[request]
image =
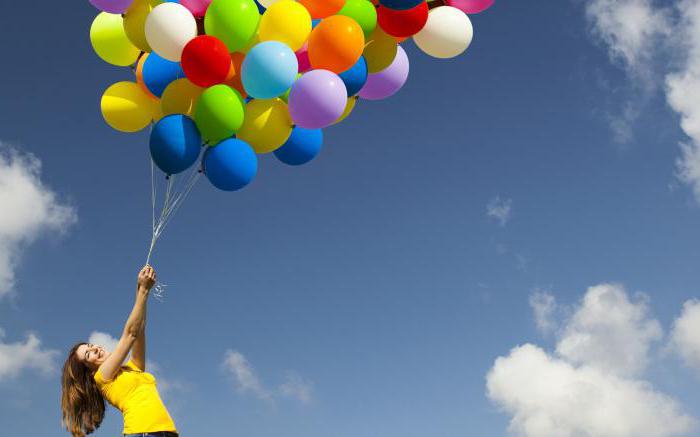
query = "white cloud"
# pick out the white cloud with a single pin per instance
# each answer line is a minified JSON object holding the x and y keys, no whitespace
{"x":499,"y":210}
{"x":589,"y":386}
{"x":543,"y":306}
{"x":297,"y":388}
{"x":103,"y":339}
{"x":244,"y":375}
{"x":610,"y":332}
{"x":28,"y":209}
{"x":20,"y":356}
{"x":550,"y":397}
{"x":247,"y":382}
{"x":685,"y":337}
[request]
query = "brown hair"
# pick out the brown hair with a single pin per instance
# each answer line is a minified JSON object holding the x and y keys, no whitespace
{"x":81,"y":401}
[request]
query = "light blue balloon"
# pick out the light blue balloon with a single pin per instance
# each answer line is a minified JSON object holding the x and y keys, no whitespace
{"x":269,"y":70}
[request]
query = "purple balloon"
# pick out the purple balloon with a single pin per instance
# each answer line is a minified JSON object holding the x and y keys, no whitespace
{"x":387,"y":82}
{"x":112,"y":6}
{"x":471,"y":6}
{"x":317,"y":99}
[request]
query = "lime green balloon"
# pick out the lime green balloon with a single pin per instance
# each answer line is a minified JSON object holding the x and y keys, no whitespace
{"x":362,"y":11}
{"x":110,"y":42}
{"x":235,"y":22}
{"x":219,"y":113}
{"x":285,"y":96}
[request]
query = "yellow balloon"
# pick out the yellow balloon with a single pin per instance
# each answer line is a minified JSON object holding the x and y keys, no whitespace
{"x":110,"y":41}
{"x":156,"y":110}
{"x":135,"y":23}
{"x":180,"y":97}
{"x":267,"y":125}
{"x":352,"y":101}
{"x":380,"y":51}
{"x":126,"y":107}
{"x":286,"y":21}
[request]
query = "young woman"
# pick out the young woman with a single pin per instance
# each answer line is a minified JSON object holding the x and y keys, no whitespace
{"x":92,"y":375}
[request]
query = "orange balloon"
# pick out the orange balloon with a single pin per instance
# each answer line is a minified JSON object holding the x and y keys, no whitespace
{"x":336,"y":44}
{"x":234,"y":75}
{"x":139,"y":76}
{"x":323,"y":8}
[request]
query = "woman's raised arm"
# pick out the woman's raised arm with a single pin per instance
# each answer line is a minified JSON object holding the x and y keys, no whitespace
{"x":134,"y":325}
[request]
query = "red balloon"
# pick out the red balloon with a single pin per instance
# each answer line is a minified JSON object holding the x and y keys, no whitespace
{"x":206,"y":61}
{"x":402,"y":24}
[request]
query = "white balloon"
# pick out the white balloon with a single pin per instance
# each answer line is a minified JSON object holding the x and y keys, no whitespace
{"x":267,"y":3}
{"x":448,"y":33}
{"x":169,"y":27}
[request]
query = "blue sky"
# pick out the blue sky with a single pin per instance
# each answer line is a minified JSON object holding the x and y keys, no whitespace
{"x":374,"y":281}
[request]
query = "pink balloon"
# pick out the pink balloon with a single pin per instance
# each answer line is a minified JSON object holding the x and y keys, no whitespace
{"x":197,"y":7}
{"x":471,"y":6}
{"x":303,"y":59}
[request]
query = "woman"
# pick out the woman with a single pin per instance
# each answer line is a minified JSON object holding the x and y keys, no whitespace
{"x":92,"y":375}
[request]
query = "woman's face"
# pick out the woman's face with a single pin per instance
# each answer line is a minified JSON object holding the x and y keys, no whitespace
{"x":92,"y":355}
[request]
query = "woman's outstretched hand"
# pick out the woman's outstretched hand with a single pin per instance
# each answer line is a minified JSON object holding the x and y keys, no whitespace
{"x":146,"y":279}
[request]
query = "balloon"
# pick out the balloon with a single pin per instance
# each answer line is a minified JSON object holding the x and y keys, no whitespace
{"x":403,"y":23}
{"x":158,"y":73}
{"x":112,"y":6}
{"x":269,"y":69}
{"x":355,"y":77}
{"x":362,"y":11}
{"x":352,"y":102}
{"x":303,"y":59}
{"x":110,"y":42}
{"x":400,"y":5}
{"x":230,"y":165}
{"x":219,"y":113}
{"x":206,"y":61}
{"x":139,"y":75}
{"x":126,"y":108}
{"x":175,"y":144}
{"x":235,"y":22}
{"x":388,"y":82}
{"x":336,"y":44}
{"x":285,"y":96}
{"x":197,"y":7}
{"x":471,"y":6}
{"x":135,"y":24}
{"x":447,"y":34}
{"x":317,"y":99}
{"x":323,"y":8}
{"x":302,"y":146}
{"x":286,"y":21}
{"x":380,"y":51}
{"x":267,"y":125}
{"x":234,"y":79}
{"x":180,"y":97}
{"x":169,"y":27}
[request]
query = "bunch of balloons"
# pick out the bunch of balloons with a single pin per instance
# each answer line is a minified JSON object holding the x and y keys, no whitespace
{"x":243,"y":78}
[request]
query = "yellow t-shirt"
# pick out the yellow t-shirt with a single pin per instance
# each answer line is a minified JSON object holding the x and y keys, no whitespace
{"x":134,"y":393}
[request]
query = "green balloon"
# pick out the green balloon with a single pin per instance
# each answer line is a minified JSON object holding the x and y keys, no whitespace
{"x":362,"y":11}
{"x":285,"y":96}
{"x":219,"y":113}
{"x":235,"y":22}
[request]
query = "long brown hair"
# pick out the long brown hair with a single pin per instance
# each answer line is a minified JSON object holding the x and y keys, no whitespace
{"x":81,"y":401}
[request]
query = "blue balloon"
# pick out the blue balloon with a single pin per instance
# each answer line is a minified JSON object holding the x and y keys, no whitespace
{"x":301,"y":147}
{"x":230,"y":165}
{"x":269,"y":69}
{"x":315,"y":23}
{"x":175,"y":143}
{"x":356,"y":77}
{"x":400,"y":5}
{"x":158,"y":73}
{"x":261,"y":8}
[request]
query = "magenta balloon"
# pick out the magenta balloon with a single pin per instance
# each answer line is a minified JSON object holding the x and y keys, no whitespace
{"x":197,"y":7}
{"x":303,"y":59}
{"x":112,"y":6}
{"x":317,"y":99}
{"x":471,"y":6}
{"x":387,"y":82}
